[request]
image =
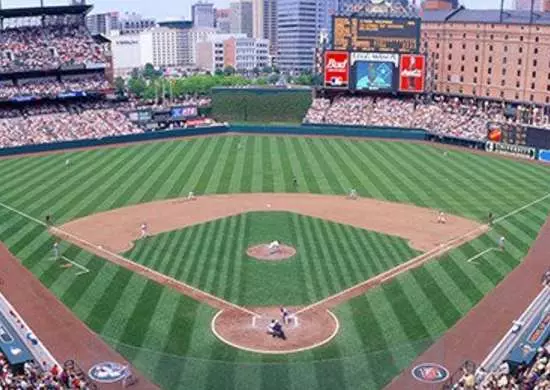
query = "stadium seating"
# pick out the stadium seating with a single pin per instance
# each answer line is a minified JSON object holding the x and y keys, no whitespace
{"x":449,"y":117}
{"x":45,"y":48}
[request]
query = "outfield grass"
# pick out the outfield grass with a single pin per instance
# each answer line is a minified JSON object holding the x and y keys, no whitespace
{"x":330,"y":257}
{"x":168,"y":336}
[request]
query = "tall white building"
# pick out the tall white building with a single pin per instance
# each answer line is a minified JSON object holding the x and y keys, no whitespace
{"x":299,"y":26}
{"x":160,"y":46}
{"x":223,"y":20}
{"x":240,"y":52}
{"x":196,"y":35}
{"x":203,"y":15}
{"x":241,"y":17}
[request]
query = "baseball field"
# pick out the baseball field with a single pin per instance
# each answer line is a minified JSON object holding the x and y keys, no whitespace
{"x":103,"y":195}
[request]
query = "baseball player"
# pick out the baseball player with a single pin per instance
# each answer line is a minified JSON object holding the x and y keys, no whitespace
{"x":191,"y":195}
{"x":285,"y":314}
{"x":295,"y":182}
{"x":56,"y":250}
{"x":490,"y":219}
{"x":441,"y":218}
{"x":67,"y":163}
{"x":143,"y":230}
{"x":501,"y":242}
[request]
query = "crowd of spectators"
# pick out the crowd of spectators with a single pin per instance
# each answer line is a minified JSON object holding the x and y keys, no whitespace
{"x":59,"y":122}
{"x":35,"y":377}
{"x":47,"y":47}
{"x":452,"y":117}
{"x":535,"y":376}
{"x":49,"y":87}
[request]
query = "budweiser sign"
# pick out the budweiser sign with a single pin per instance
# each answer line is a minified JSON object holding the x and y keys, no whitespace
{"x":411,"y":74}
{"x":336,"y":69}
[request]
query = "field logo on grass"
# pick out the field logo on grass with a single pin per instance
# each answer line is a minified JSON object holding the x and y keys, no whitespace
{"x":430,"y":373}
{"x":108,"y":372}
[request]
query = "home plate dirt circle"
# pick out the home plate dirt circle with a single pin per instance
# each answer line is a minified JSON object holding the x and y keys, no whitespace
{"x":241,"y":330}
{"x":262,"y":252}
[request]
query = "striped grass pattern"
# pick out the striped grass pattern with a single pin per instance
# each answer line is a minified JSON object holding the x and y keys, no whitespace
{"x":167,"y":336}
{"x":330,"y":257}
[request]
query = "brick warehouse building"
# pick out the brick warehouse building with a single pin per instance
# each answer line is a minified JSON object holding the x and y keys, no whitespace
{"x":483,"y":53}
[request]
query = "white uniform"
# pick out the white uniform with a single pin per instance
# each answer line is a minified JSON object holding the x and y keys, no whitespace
{"x":143,"y":230}
{"x":441,"y":218}
{"x":56,"y":250}
{"x":501,"y":242}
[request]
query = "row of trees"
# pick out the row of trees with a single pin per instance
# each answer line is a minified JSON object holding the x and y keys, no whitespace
{"x":151,"y":84}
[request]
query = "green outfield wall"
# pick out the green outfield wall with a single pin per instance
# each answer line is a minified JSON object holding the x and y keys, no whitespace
{"x":264,"y":105}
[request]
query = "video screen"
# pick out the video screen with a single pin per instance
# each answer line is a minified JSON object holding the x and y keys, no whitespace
{"x":184,"y":112}
{"x":374,"y":76}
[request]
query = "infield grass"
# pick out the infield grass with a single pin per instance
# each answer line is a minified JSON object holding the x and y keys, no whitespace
{"x":167,"y":335}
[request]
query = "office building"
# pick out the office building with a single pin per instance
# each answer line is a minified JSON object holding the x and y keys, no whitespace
{"x":203,"y":15}
{"x":300,"y":23}
{"x":264,"y":22}
{"x":132,"y":23}
{"x":241,"y":20}
{"x":102,"y":23}
{"x":223,"y":20}
{"x":239,"y":51}
{"x":195,"y":36}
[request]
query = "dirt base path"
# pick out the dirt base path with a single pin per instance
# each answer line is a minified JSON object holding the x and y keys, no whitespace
{"x":65,"y":336}
{"x":116,"y":230}
{"x":475,"y":335}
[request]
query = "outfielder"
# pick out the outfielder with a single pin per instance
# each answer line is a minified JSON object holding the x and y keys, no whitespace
{"x":501,"y":242}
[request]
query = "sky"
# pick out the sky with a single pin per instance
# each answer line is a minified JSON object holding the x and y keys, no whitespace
{"x":177,"y":9}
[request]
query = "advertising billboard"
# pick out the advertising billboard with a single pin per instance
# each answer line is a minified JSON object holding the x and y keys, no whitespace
{"x":366,"y":34}
{"x":336,"y":69}
{"x":374,"y":71}
{"x":178,"y":113}
{"x":412,"y":73}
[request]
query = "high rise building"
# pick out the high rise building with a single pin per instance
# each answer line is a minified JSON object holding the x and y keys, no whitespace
{"x":203,"y":15}
{"x":134,"y":23}
{"x":300,"y":23}
{"x":102,"y":23}
{"x":264,"y":15}
{"x":241,"y":17}
{"x":223,"y":20}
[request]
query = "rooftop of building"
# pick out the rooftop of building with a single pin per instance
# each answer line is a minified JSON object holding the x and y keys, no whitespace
{"x":492,"y":16}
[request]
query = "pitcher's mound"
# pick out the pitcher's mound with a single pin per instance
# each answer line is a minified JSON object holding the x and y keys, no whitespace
{"x":262,"y":252}
{"x":308,"y":330}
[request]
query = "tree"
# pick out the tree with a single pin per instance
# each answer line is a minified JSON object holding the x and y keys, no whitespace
{"x":273,"y":78}
{"x":149,"y":71}
{"x":229,"y":70}
{"x":267,"y":69}
{"x":120,"y":86}
{"x":137,"y":86}
{"x":218,"y":72}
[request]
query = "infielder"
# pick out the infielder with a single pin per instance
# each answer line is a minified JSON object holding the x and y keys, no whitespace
{"x":143,"y":230}
{"x":56,"y":250}
{"x":441,"y":218}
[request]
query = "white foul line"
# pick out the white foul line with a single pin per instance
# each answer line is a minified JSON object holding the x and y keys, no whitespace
{"x":124,"y":260}
{"x":84,"y":269}
{"x":480,"y":254}
{"x":500,"y":219}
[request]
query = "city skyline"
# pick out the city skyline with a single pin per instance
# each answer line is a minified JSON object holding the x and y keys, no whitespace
{"x":165,"y":10}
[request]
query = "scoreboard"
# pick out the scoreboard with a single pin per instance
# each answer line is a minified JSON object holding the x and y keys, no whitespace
{"x":381,"y":35}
